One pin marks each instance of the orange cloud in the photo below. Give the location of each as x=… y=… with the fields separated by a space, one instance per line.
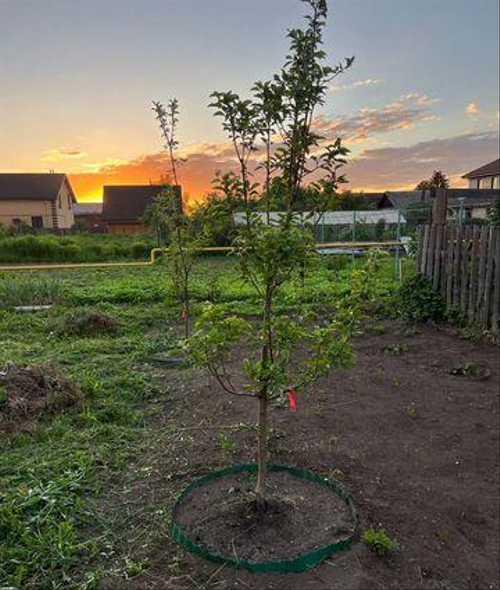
x=195 y=174
x=381 y=168
x=472 y=109
x=402 y=114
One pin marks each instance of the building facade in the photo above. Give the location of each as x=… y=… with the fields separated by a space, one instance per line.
x=41 y=201
x=124 y=207
x=485 y=177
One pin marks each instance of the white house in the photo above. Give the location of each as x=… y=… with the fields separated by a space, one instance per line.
x=42 y=201
x=485 y=177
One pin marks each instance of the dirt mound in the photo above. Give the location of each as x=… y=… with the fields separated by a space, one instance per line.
x=89 y=323
x=26 y=393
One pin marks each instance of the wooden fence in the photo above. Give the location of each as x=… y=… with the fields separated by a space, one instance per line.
x=463 y=263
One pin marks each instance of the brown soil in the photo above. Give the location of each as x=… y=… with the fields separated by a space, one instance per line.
x=88 y=324
x=417 y=446
x=30 y=392
x=298 y=517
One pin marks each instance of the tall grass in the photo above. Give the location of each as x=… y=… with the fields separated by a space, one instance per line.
x=29 y=290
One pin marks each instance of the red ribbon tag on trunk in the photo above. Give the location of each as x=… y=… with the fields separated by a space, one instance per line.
x=184 y=315
x=292 y=400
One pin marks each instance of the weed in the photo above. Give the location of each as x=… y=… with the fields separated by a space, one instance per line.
x=377 y=329
x=379 y=542
x=226 y=444
x=396 y=349
x=473 y=370
x=411 y=411
x=135 y=568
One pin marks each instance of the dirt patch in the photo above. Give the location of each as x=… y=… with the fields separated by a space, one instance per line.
x=89 y=323
x=417 y=447
x=298 y=517
x=27 y=393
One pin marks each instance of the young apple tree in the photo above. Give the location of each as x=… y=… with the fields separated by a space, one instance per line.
x=184 y=242
x=283 y=353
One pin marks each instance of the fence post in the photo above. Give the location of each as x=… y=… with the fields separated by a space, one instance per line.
x=398 y=249
x=353 y=235
x=495 y=317
x=488 y=282
x=440 y=207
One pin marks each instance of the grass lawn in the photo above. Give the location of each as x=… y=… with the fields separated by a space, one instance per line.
x=85 y=496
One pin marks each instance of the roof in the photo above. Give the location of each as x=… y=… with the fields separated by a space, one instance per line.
x=491 y=169
x=390 y=216
x=476 y=197
x=128 y=203
x=404 y=198
x=88 y=209
x=370 y=199
x=472 y=197
x=33 y=187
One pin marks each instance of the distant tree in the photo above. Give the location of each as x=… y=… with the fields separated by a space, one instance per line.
x=215 y=214
x=437 y=180
x=349 y=201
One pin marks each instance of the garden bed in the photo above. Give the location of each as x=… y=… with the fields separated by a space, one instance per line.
x=416 y=445
x=303 y=519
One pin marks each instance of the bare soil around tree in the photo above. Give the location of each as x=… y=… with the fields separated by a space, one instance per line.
x=412 y=431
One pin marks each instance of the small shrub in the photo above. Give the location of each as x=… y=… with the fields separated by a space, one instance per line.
x=140 y=250
x=226 y=444
x=337 y=262
x=396 y=349
x=379 y=542
x=419 y=302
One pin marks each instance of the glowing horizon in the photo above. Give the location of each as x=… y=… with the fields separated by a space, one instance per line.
x=92 y=115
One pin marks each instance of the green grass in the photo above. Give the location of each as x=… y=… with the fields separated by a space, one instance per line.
x=49 y=536
x=75 y=248
x=214 y=278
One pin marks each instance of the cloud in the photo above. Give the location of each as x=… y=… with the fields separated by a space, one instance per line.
x=379 y=168
x=472 y=109
x=195 y=174
x=402 y=114
x=62 y=154
x=336 y=88
x=106 y=165
x=403 y=167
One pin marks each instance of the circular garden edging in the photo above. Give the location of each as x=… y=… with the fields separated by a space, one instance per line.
x=302 y=563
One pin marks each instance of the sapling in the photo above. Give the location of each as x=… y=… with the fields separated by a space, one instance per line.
x=284 y=354
x=167 y=212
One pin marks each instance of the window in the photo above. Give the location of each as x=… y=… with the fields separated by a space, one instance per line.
x=69 y=201
x=486 y=182
x=37 y=222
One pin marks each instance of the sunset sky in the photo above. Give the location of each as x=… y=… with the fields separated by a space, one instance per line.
x=77 y=79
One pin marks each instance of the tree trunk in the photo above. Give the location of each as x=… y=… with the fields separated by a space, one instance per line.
x=262 y=449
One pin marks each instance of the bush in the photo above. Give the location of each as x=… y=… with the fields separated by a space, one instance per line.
x=140 y=250
x=379 y=542
x=419 y=302
x=75 y=248
x=337 y=262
